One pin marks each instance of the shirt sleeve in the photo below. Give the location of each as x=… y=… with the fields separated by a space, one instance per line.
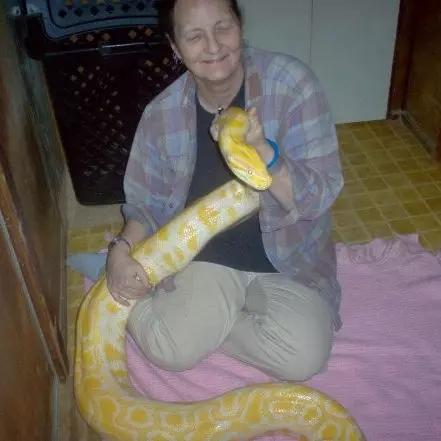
x=145 y=186
x=309 y=147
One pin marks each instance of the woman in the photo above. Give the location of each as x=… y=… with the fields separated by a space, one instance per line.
x=265 y=291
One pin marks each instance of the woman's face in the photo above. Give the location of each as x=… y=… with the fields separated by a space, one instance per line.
x=208 y=38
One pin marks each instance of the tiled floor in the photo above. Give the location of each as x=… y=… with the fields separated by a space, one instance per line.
x=392 y=187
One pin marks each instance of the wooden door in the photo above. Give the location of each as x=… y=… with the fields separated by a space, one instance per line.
x=30 y=170
x=25 y=375
x=416 y=80
x=423 y=100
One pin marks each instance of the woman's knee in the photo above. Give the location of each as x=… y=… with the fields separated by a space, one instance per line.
x=164 y=350
x=177 y=330
x=302 y=329
x=159 y=342
x=165 y=355
x=304 y=363
x=307 y=348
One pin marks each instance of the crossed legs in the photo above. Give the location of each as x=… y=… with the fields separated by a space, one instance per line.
x=270 y=322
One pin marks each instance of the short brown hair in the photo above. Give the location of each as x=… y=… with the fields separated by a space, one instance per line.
x=167 y=7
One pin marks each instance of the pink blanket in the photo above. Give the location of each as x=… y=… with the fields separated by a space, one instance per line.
x=385 y=365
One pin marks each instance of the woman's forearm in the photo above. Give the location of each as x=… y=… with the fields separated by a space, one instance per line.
x=134 y=232
x=281 y=187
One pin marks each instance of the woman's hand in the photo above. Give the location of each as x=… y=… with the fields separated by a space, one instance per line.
x=126 y=278
x=255 y=135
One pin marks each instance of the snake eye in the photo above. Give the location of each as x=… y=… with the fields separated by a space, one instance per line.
x=250 y=172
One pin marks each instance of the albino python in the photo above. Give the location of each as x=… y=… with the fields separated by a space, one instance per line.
x=103 y=390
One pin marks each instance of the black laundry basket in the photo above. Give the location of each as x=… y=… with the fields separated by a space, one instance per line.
x=104 y=62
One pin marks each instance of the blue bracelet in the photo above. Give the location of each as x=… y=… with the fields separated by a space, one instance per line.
x=276 y=153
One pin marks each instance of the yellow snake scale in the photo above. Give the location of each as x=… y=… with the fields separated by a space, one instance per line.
x=103 y=390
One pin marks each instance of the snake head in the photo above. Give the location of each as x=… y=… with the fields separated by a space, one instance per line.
x=242 y=159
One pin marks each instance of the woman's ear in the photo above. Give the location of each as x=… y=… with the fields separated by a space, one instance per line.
x=174 y=47
x=177 y=53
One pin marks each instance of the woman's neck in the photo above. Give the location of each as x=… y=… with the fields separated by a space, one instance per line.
x=215 y=95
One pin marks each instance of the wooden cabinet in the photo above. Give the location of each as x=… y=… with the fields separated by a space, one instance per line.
x=26 y=378
x=416 y=80
x=32 y=247
x=423 y=98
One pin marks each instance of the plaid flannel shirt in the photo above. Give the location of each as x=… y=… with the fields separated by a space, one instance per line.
x=294 y=112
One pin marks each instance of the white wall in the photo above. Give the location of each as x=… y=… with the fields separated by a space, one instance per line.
x=352 y=51
x=279 y=25
x=348 y=43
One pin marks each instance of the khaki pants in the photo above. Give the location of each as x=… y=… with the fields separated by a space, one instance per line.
x=266 y=320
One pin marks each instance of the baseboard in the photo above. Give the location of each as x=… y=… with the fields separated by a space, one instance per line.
x=410 y=122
